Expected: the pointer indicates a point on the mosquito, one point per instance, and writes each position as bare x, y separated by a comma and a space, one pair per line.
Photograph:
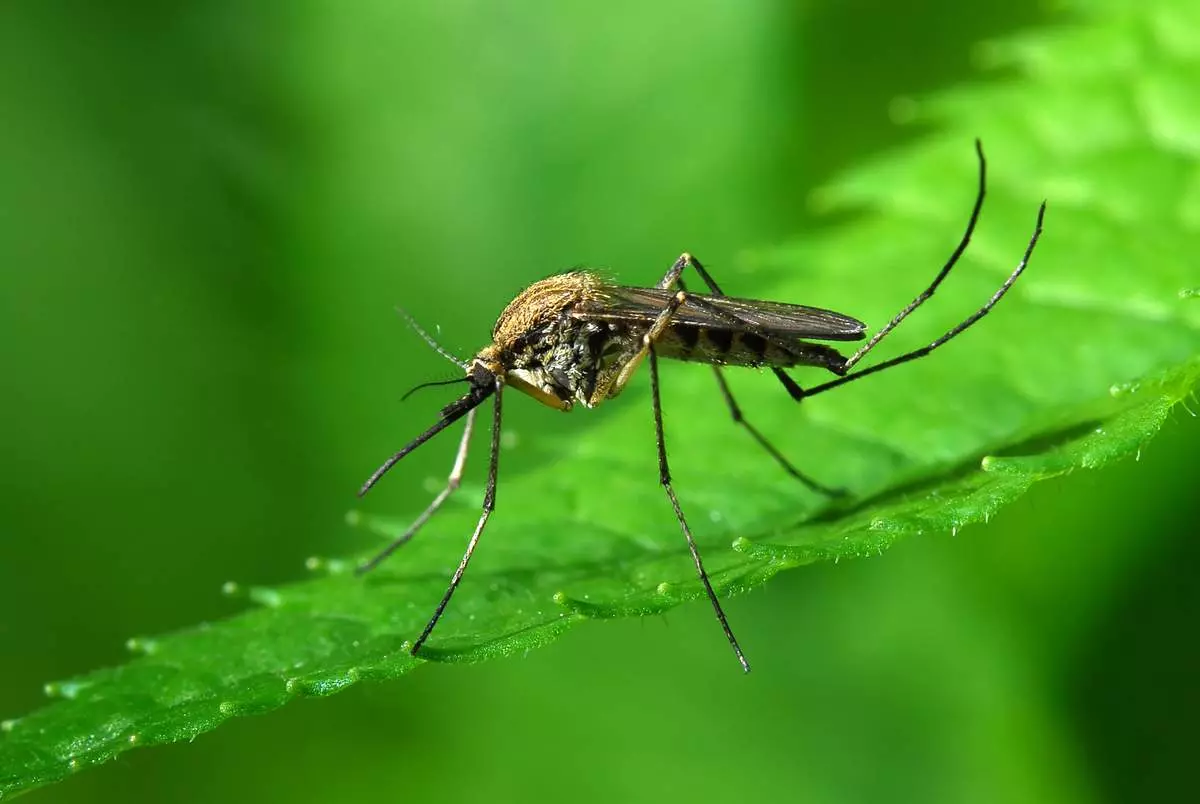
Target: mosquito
575, 338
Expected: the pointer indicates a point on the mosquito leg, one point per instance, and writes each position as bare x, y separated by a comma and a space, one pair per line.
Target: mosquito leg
736, 412
652, 335
664, 477
663, 321
672, 276
948, 336
832, 360
452, 484
489, 504
685, 260
843, 367
937, 280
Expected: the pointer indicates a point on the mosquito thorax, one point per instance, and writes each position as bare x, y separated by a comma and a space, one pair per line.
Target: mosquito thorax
542, 304
543, 348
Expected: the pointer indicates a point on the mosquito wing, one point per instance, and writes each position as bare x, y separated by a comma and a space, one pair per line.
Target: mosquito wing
788, 322
725, 331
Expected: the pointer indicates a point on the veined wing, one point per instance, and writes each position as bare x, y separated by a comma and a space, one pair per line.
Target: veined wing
786, 321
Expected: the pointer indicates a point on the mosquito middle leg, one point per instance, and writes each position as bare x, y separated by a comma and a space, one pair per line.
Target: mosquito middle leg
664, 477
671, 278
656, 330
660, 324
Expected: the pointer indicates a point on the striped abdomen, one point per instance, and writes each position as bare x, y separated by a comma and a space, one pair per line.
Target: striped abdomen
739, 348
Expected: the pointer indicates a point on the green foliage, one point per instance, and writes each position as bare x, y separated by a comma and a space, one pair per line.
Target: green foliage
318, 637
1078, 367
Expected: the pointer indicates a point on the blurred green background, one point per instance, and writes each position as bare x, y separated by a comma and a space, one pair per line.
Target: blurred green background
207, 213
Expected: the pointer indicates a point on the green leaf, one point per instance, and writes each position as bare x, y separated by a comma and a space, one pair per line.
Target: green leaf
1078, 367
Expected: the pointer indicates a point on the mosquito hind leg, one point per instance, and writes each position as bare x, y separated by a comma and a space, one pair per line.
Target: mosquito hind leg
844, 369
800, 393
926, 294
735, 410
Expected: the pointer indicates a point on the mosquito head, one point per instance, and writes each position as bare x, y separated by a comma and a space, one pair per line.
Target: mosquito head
481, 377
491, 362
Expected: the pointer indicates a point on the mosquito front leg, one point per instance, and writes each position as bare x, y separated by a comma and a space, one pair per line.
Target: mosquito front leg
489, 504
452, 484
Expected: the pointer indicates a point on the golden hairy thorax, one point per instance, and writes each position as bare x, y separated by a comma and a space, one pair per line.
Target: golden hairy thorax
543, 303
543, 347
